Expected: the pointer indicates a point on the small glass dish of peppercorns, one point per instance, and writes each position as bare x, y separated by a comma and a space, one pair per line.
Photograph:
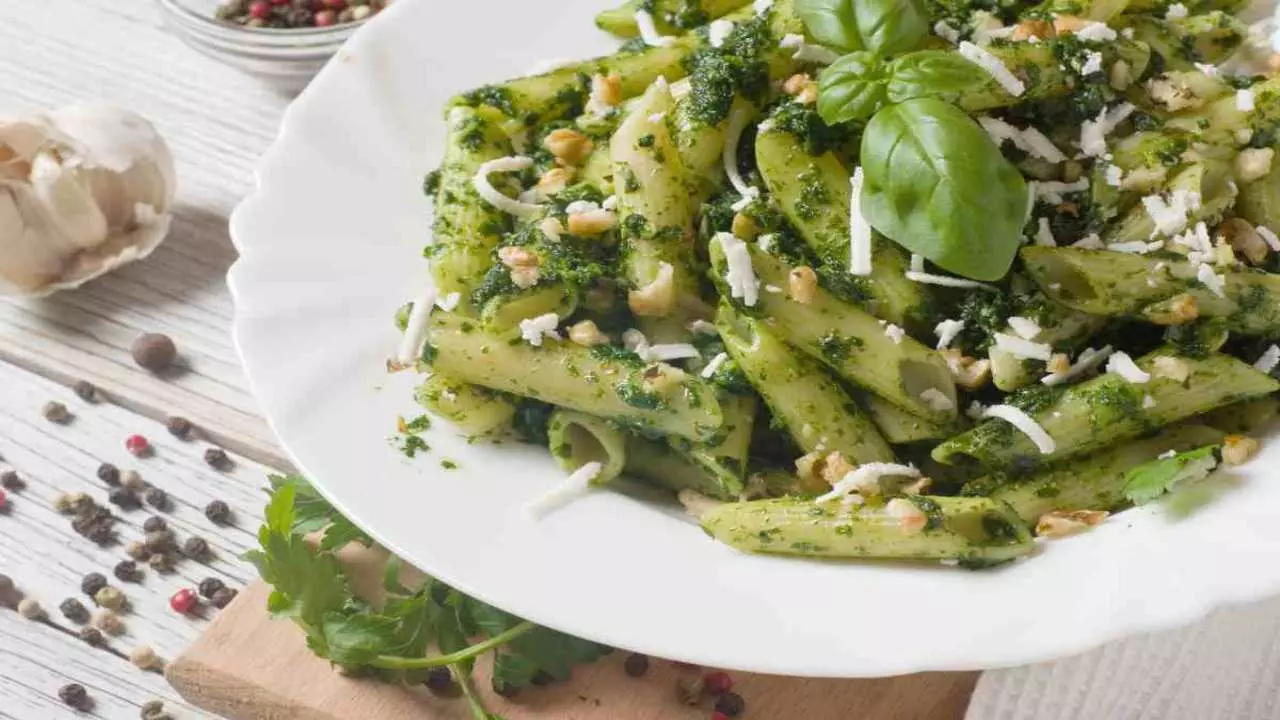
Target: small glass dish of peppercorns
283, 41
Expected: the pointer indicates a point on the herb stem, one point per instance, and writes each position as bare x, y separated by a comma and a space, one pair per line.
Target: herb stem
478, 710
392, 662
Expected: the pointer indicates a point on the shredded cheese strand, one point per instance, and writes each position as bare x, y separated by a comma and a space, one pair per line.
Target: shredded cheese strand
1025, 424
738, 119
649, 31
490, 194
415, 331
859, 229
576, 486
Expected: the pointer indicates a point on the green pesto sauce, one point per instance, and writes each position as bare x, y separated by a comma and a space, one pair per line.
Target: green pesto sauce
837, 348
431, 183
419, 424
448, 464
633, 392
1035, 398
634, 226
493, 96
411, 445
804, 123
646, 140
716, 75
813, 194
930, 508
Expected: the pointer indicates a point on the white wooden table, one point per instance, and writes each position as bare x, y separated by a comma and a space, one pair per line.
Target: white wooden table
53, 52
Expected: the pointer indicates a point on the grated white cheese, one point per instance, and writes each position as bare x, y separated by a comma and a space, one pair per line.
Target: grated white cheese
762, 6
866, 479
859, 229
937, 400
1022, 348
740, 275
1031, 141
917, 263
1041, 146
1025, 424
994, 68
450, 301
577, 485
1176, 11
718, 31
490, 194
1212, 280
745, 201
1167, 454
1197, 238
1121, 364
1148, 402
975, 411
1025, 327
1208, 70
664, 352
702, 327
1114, 175
1044, 234
765, 242
415, 331
945, 281
1270, 358
649, 31
1244, 100
807, 52
1136, 247
1096, 32
1089, 242
578, 207
946, 31
773, 289
1093, 133
714, 365
1053, 190
1127, 33
738, 120
533, 330
947, 330
1087, 360
610, 203
1092, 63
894, 333
1170, 216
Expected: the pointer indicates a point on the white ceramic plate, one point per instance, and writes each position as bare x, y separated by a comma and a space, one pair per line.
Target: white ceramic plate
331, 246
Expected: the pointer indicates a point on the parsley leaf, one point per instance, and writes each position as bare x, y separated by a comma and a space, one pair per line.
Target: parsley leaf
1153, 479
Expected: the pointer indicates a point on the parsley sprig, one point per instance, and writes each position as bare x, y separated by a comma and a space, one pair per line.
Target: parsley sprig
415, 630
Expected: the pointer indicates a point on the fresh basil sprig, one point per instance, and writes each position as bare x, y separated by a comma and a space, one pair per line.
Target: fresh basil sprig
938, 186
858, 84
882, 27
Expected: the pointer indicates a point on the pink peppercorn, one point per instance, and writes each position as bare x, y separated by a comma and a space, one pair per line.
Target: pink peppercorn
717, 683
325, 18
137, 445
184, 601
717, 715
4, 501
260, 9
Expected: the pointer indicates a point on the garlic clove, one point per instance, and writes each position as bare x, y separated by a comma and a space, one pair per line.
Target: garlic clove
70, 201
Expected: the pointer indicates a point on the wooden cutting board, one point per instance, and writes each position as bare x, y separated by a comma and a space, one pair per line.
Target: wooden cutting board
247, 666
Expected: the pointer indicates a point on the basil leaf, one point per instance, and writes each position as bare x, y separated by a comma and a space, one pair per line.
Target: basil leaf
884, 27
852, 88
933, 73
1153, 479
938, 186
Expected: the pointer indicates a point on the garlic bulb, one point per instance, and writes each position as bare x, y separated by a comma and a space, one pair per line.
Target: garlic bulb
83, 190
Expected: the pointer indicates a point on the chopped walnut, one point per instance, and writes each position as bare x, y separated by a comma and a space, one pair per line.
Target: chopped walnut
794, 84
658, 298
1058, 363
1173, 94
554, 181
808, 466
910, 518
1061, 523
834, 468
1244, 239
918, 486
1237, 449
594, 222
803, 284
1028, 29
1145, 180
523, 264
1063, 24
1178, 310
1253, 164
1173, 368
586, 333
568, 146
663, 377
606, 89
969, 373
552, 228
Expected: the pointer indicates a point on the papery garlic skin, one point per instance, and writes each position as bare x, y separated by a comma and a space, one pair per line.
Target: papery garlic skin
83, 190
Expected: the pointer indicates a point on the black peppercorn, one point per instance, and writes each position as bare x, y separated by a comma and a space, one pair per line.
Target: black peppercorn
101, 534
157, 498
56, 412
178, 427
93, 636
218, 512
127, 571
209, 586
195, 547
86, 391
440, 682
93, 582
636, 665
109, 474
74, 610
217, 459
155, 523
124, 498
223, 597
10, 596
154, 351
74, 695
160, 562
10, 481
731, 704
159, 541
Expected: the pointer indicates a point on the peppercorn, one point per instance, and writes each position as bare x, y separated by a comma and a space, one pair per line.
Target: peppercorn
138, 446
218, 512
108, 622
4, 502
30, 609
184, 601
10, 595
159, 541
62, 504
143, 657
689, 689
10, 481
160, 562
127, 571
154, 710
74, 695
85, 391
636, 665
178, 427
440, 682
74, 610
299, 17
100, 534
195, 547
56, 412
133, 480
110, 598
81, 502
92, 635
731, 704
154, 352
155, 523
109, 474
217, 459
124, 499
93, 582
223, 597
717, 683
157, 498
209, 586
137, 551
717, 715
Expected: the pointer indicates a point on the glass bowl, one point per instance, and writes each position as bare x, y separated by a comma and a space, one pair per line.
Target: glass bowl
287, 58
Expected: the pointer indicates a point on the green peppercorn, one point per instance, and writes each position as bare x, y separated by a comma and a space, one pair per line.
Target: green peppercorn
110, 598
